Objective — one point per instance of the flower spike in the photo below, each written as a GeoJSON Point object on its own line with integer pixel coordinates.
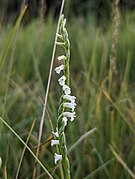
{"type": "Point", "coordinates": [71, 115]}
{"type": "Point", "coordinates": [67, 102]}
{"type": "Point", "coordinates": [62, 57]}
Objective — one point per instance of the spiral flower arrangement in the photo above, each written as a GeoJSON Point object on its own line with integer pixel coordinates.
{"type": "Point", "coordinates": [67, 102]}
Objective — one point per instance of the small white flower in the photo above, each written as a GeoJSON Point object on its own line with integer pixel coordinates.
{"type": "Point", "coordinates": [54, 142]}
{"type": "Point", "coordinates": [56, 134]}
{"type": "Point", "coordinates": [70, 98]}
{"type": "Point", "coordinates": [62, 80]}
{"type": "Point", "coordinates": [62, 57]}
{"type": "Point", "coordinates": [0, 162]}
{"type": "Point", "coordinates": [58, 35]}
{"type": "Point", "coordinates": [65, 121]}
{"type": "Point", "coordinates": [69, 105]}
{"type": "Point", "coordinates": [71, 115]}
{"type": "Point", "coordinates": [60, 43]}
{"type": "Point", "coordinates": [57, 157]}
{"type": "Point", "coordinates": [66, 89]}
{"type": "Point", "coordinates": [59, 69]}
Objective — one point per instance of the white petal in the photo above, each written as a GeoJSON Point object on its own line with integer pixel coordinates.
{"type": "Point", "coordinates": [62, 80]}
{"type": "Point", "coordinates": [60, 43]}
{"type": "Point", "coordinates": [70, 98]}
{"type": "Point", "coordinates": [71, 115]}
{"type": "Point", "coordinates": [65, 120]}
{"type": "Point", "coordinates": [66, 89]}
{"type": "Point", "coordinates": [62, 57]}
{"type": "Point", "coordinates": [69, 105]}
{"type": "Point", "coordinates": [56, 133]}
{"type": "Point", "coordinates": [59, 69]}
{"type": "Point", "coordinates": [54, 142]}
{"type": "Point", "coordinates": [57, 157]}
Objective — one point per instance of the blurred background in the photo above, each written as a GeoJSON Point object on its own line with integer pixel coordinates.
{"type": "Point", "coordinates": [102, 43]}
{"type": "Point", "coordinates": [99, 8]}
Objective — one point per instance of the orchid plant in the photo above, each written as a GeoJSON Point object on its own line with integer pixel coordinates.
{"type": "Point", "coordinates": [67, 102]}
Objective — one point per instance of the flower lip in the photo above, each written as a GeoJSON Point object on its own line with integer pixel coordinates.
{"type": "Point", "coordinates": [57, 157]}
{"type": "Point", "coordinates": [62, 57]}
{"type": "Point", "coordinates": [71, 115]}
{"type": "Point", "coordinates": [54, 142]}
{"type": "Point", "coordinates": [59, 69]}
{"type": "Point", "coordinates": [62, 80]}
{"type": "Point", "coordinates": [66, 89]}
{"type": "Point", "coordinates": [70, 98]}
{"type": "Point", "coordinates": [58, 35]}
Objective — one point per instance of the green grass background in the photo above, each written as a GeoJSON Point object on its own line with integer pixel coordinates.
{"type": "Point", "coordinates": [23, 80]}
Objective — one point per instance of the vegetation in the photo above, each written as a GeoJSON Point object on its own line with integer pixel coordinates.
{"type": "Point", "coordinates": [105, 152]}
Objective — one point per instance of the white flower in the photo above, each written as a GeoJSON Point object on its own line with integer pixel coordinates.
{"type": "Point", "coordinates": [62, 57]}
{"type": "Point", "coordinates": [58, 35]}
{"type": "Point", "coordinates": [69, 105]}
{"type": "Point", "coordinates": [62, 80]}
{"type": "Point", "coordinates": [60, 43]}
{"type": "Point", "coordinates": [56, 134]}
{"type": "Point", "coordinates": [54, 142]}
{"type": "Point", "coordinates": [59, 69]}
{"type": "Point", "coordinates": [66, 89]}
{"type": "Point", "coordinates": [57, 157]}
{"type": "Point", "coordinates": [71, 115]}
{"type": "Point", "coordinates": [65, 120]}
{"type": "Point", "coordinates": [70, 98]}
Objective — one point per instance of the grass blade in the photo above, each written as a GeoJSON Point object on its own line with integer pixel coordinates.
{"type": "Point", "coordinates": [11, 36]}
{"type": "Point", "coordinates": [120, 160]}
{"type": "Point", "coordinates": [28, 148]}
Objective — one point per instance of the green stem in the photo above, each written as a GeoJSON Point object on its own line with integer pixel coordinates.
{"type": "Point", "coordinates": [60, 122]}
{"type": "Point", "coordinates": [67, 71]}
